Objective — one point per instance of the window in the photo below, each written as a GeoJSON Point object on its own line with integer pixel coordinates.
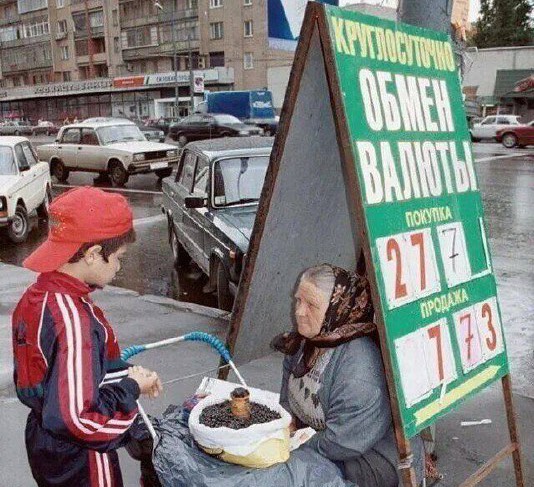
{"type": "Point", "coordinates": [36, 30]}
{"type": "Point", "coordinates": [62, 26]}
{"type": "Point", "coordinates": [22, 162]}
{"type": "Point", "coordinates": [64, 52]}
{"type": "Point", "coordinates": [248, 61]}
{"type": "Point", "coordinates": [141, 36]}
{"type": "Point", "coordinates": [488, 121]}
{"type": "Point", "coordinates": [115, 17]}
{"type": "Point", "coordinates": [188, 170]}
{"type": "Point", "coordinates": [116, 44]}
{"type": "Point", "coordinates": [216, 30]}
{"type": "Point", "coordinates": [60, 3]}
{"type": "Point", "coordinates": [89, 137]}
{"type": "Point", "coordinates": [25, 6]}
{"type": "Point", "coordinates": [248, 28]}
{"type": "Point", "coordinates": [71, 136]}
{"type": "Point", "coordinates": [29, 154]}
{"type": "Point", "coordinates": [216, 3]}
{"type": "Point", "coordinates": [247, 2]}
{"type": "Point", "coordinates": [200, 186]}
{"type": "Point", "coordinates": [66, 76]}
{"type": "Point", "coordinates": [216, 59]}
{"type": "Point", "coordinates": [503, 121]}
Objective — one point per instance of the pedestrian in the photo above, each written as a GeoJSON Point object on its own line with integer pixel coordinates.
{"type": "Point", "coordinates": [68, 369]}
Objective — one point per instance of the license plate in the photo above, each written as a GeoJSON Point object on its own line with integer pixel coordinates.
{"type": "Point", "coordinates": [158, 165]}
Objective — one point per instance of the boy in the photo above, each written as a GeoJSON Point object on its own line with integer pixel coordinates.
{"type": "Point", "coordinates": [67, 360]}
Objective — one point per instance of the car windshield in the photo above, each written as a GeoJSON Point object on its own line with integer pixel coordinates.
{"type": "Point", "coordinates": [7, 162]}
{"type": "Point", "coordinates": [239, 180]}
{"type": "Point", "coordinates": [226, 119]}
{"type": "Point", "coordinates": [119, 133]}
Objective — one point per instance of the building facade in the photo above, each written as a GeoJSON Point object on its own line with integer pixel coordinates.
{"type": "Point", "coordinates": [134, 57]}
{"type": "Point", "coordinates": [492, 75]}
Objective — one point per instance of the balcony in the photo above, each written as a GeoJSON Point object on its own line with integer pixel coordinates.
{"type": "Point", "coordinates": [132, 53]}
{"type": "Point", "coordinates": [10, 20]}
{"type": "Point", "coordinates": [95, 32]}
{"type": "Point", "coordinates": [98, 58]}
{"type": "Point", "coordinates": [25, 65]}
{"type": "Point", "coordinates": [31, 41]}
{"type": "Point", "coordinates": [79, 5]}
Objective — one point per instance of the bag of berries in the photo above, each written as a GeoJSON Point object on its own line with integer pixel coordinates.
{"type": "Point", "coordinates": [248, 428]}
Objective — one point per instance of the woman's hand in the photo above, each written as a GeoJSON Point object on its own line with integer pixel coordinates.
{"type": "Point", "coordinates": [148, 381]}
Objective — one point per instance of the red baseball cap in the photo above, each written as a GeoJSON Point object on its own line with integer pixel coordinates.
{"type": "Point", "coordinates": [78, 216]}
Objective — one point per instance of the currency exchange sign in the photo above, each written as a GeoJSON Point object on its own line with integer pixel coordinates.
{"type": "Point", "coordinates": [423, 212]}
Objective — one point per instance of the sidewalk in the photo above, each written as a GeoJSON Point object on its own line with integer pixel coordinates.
{"type": "Point", "coordinates": [141, 319]}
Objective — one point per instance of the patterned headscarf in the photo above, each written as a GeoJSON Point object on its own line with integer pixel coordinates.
{"type": "Point", "coordinates": [349, 316]}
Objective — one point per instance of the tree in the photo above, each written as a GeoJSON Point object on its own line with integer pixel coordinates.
{"type": "Point", "coordinates": [504, 23]}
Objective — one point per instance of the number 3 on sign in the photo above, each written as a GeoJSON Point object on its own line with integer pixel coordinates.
{"type": "Point", "coordinates": [408, 265]}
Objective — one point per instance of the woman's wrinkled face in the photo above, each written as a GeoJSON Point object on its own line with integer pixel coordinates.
{"type": "Point", "coordinates": [310, 309]}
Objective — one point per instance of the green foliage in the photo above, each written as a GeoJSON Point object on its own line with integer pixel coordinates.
{"type": "Point", "coordinates": [504, 23]}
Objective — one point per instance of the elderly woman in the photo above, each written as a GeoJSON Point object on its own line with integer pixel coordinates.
{"type": "Point", "coordinates": [334, 380]}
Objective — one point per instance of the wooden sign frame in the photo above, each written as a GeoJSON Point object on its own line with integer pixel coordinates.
{"type": "Point", "coordinates": [315, 21]}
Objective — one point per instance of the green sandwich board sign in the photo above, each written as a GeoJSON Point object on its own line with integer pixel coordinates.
{"type": "Point", "coordinates": [376, 106]}
{"type": "Point", "coordinates": [423, 212]}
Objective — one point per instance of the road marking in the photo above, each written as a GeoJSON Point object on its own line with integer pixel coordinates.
{"type": "Point", "coordinates": [513, 154]}
{"type": "Point", "coordinates": [117, 190]}
{"type": "Point", "coordinates": [147, 220]}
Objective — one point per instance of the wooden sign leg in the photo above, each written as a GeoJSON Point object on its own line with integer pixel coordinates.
{"type": "Point", "coordinates": [512, 428]}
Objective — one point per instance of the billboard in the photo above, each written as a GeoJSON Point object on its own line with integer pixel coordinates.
{"type": "Point", "coordinates": [284, 22]}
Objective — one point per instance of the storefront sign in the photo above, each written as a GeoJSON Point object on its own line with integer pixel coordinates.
{"type": "Point", "coordinates": [209, 75]}
{"type": "Point", "coordinates": [128, 82]}
{"type": "Point", "coordinates": [74, 86]}
{"type": "Point", "coordinates": [423, 212]}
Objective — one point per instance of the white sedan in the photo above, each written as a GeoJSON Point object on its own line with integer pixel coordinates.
{"type": "Point", "coordinates": [25, 187]}
{"type": "Point", "coordinates": [487, 128]}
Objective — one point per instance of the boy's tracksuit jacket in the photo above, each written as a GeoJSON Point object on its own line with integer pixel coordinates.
{"type": "Point", "coordinates": [69, 373]}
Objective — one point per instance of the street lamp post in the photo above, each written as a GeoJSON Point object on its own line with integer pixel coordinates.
{"type": "Point", "coordinates": [191, 77]}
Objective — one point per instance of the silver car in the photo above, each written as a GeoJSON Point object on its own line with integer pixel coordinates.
{"type": "Point", "coordinates": [16, 128]}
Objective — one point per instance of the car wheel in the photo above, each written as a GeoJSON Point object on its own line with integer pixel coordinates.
{"type": "Point", "coordinates": [509, 140]}
{"type": "Point", "coordinates": [225, 300]}
{"type": "Point", "coordinates": [42, 209]}
{"type": "Point", "coordinates": [59, 171]}
{"type": "Point", "coordinates": [182, 140]}
{"type": "Point", "coordinates": [164, 173]}
{"type": "Point", "coordinates": [179, 254]}
{"type": "Point", "coordinates": [19, 228]}
{"type": "Point", "coordinates": [118, 175]}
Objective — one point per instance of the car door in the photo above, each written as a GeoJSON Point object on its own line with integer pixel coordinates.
{"type": "Point", "coordinates": [68, 147]}
{"type": "Point", "coordinates": [486, 128]}
{"type": "Point", "coordinates": [196, 128]}
{"type": "Point", "coordinates": [28, 188]}
{"type": "Point", "coordinates": [185, 226]}
{"type": "Point", "coordinates": [500, 123]}
{"type": "Point", "coordinates": [198, 223]}
{"type": "Point", "coordinates": [39, 174]}
{"type": "Point", "coordinates": [89, 156]}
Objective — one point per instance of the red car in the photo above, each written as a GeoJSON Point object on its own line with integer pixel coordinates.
{"type": "Point", "coordinates": [516, 135]}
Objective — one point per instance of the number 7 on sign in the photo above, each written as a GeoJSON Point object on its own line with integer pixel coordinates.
{"type": "Point", "coordinates": [454, 253]}
{"type": "Point", "coordinates": [408, 265]}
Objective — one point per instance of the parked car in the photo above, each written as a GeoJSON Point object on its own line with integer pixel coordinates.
{"type": "Point", "coordinates": [160, 123]}
{"type": "Point", "coordinates": [152, 133]}
{"type": "Point", "coordinates": [24, 187]}
{"type": "Point", "coordinates": [210, 126]}
{"type": "Point", "coordinates": [487, 129]}
{"type": "Point", "coordinates": [16, 128]}
{"type": "Point", "coordinates": [45, 128]}
{"type": "Point", "coordinates": [517, 135]}
{"type": "Point", "coordinates": [109, 146]}
{"type": "Point", "coordinates": [211, 205]}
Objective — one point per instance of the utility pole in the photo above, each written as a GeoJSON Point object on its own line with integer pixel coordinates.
{"type": "Point", "coordinates": [191, 76]}
{"type": "Point", "coordinates": [176, 88]}
{"type": "Point", "coordinates": [435, 15]}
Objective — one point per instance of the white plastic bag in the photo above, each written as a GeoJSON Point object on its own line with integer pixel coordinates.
{"type": "Point", "coordinates": [258, 446]}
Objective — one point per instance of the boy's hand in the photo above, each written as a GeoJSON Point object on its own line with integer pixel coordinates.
{"type": "Point", "coordinates": [149, 382]}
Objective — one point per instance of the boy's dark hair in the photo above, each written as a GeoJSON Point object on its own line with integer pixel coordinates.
{"type": "Point", "coordinates": [109, 246]}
